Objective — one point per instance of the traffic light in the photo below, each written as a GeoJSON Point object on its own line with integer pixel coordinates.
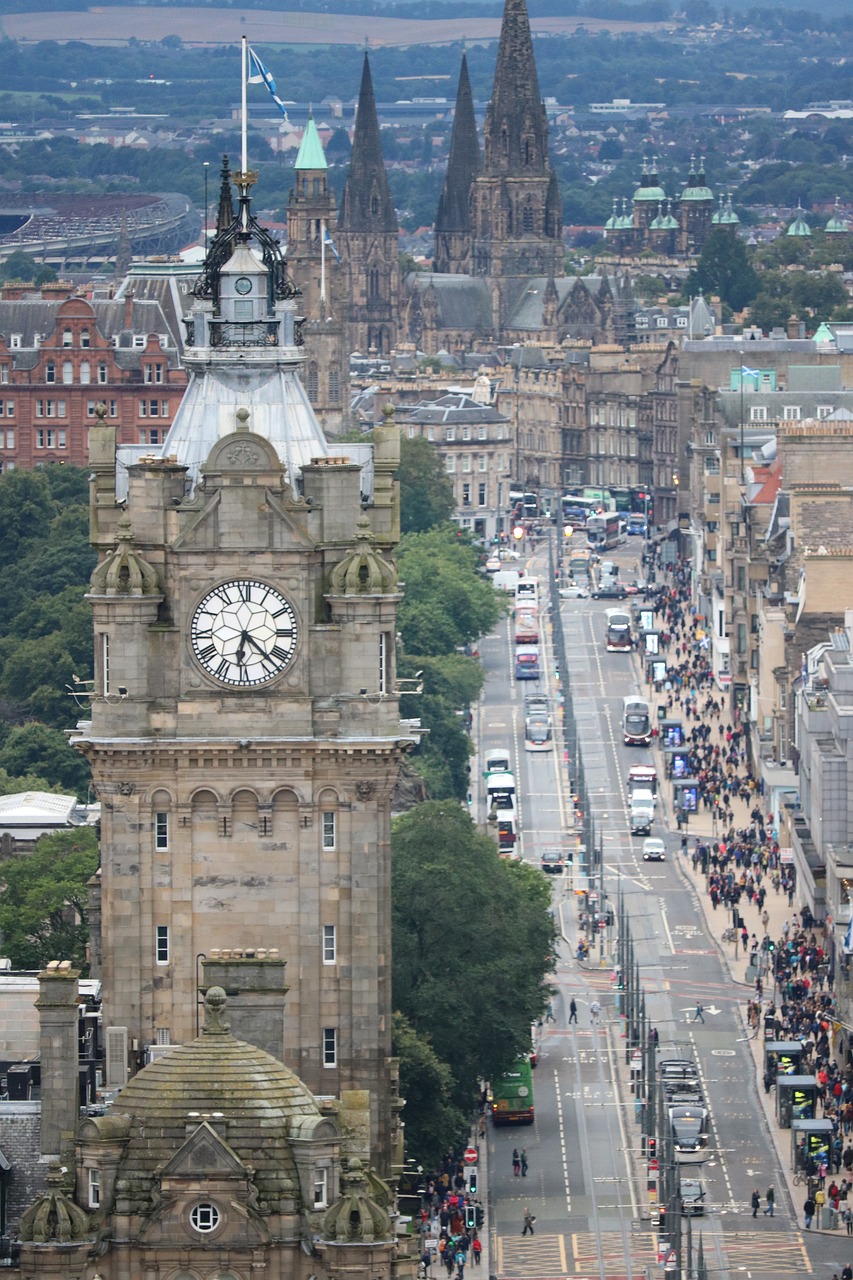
{"type": "Point", "coordinates": [472, 1182]}
{"type": "Point", "coordinates": [470, 1216]}
{"type": "Point", "coordinates": [480, 1215]}
{"type": "Point", "coordinates": [771, 945]}
{"type": "Point", "coordinates": [653, 1148]}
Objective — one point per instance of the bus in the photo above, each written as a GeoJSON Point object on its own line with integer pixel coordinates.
{"type": "Point", "coordinates": [636, 721]}
{"type": "Point", "coordinates": [604, 531]}
{"type": "Point", "coordinates": [527, 625]}
{"type": "Point", "coordinates": [580, 565]}
{"type": "Point", "coordinates": [527, 662]}
{"type": "Point", "coordinates": [511, 1097]}
{"type": "Point", "coordinates": [617, 635]}
{"type": "Point", "coordinates": [636, 524]}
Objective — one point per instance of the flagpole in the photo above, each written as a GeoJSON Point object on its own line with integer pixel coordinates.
{"type": "Point", "coordinates": [323, 261]}
{"type": "Point", "coordinates": [244, 111]}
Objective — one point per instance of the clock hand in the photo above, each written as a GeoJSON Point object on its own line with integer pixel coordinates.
{"type": "Point", "coordinates": [240, 655]}
{"type": "Point", "coordinates": [252, 641]}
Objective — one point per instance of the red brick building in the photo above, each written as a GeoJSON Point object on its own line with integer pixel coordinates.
{"type": "Point", "coordinates": [60, 358]}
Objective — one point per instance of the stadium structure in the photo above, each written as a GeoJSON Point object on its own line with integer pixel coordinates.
{"type": "Point", "coordinates": [65, 231]}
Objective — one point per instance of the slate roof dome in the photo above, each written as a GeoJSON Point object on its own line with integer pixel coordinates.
{"type": "Point", "coordinates": [257, 1100]}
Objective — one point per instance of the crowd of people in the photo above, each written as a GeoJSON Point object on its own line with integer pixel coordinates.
{"type": "Point", "coordinates": [452, 1216]}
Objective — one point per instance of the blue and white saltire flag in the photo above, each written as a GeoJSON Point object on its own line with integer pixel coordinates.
{"type": "Point", "coordinates": [848, 938]}
{"type": "Point", "coordinates": [747, 373]}
{"type": "Point", "coordinates": [258, 74]}
{"type": "Point", "coordinates": [331, 244]}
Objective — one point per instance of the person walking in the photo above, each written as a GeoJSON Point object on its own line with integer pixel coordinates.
{"type": "Point", "coordinates": [847, 1219]}
{"type": "Point", "coordinates": [524, 1162]}
{"type": "Point", "coordinates": [771, 1202]}
{"type": "Point", "coordinates": [756, 1201]}
{"type": "Point", "coordinates": [699, 1015]}
{"type": "Point", "coordinates": [594, 1011]}
{"type": "Point", "coordinates": [516, 1162]}
{"type": "Point", "coordinates": [808, 1212]}
{"type": "Point", "coordinates": [529, 1219]}
{"type": "Point", "coordinates": [476, 1249]}
{"type": "Point", "coordinates": [573, 1010]}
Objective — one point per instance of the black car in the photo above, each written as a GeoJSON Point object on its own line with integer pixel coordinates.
{"type": "Point", "coordinates": [553, 861]}
{"type": "Point", "coordinates": [609, 591]}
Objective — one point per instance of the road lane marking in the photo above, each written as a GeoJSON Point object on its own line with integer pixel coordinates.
{"type": "Point", "coordinates": [564, 1153]}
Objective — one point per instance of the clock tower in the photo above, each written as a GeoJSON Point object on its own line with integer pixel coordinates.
{"type": "Point", "coordinates": [244, 734]}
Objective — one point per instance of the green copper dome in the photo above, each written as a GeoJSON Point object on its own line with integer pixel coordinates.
{"type": "Point", "coordinates": [649, 188]}
{"type": "Point", "coordinates": [612, 221]}
{"type": "Point", "coordinates": [697, 189]}
{"type": "Point", "coordinates": [799, 227]}
{"type": "Point", "coordinates": [837, 225]}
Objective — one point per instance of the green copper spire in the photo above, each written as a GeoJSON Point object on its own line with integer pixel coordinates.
{"type": "Point", "coordinates": [310, 154]}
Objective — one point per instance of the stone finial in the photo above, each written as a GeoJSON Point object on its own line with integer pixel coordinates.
{"type": "Point", "coordinates": [242, 415]}
{"type": "Point", "coordinates": [363, 571]}
{"type": "Point", "coordinates": [124, 572]}
{"type": "Point", "coordinates": [215, 1022]}
{"type": "Point", "coordinates": [53, 1217]}
{"type": "Point", "coordinates": [355, 1216]}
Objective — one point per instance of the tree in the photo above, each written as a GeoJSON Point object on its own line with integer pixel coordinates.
{"type": "Point", "coordinates": [447, 602]}
{"type": "Point", "coordinates": [37, 748]}
{"type": "Point", "coordinates": [433, 1122]}
{"type": "Point", "coordinates": [426, 494]}
{"type": "Point", "coordinates": [460, 911]}
{"type": "Point", "coordinates": [724, 267]}
{"type": "Point", "coordinates": [43, 900]}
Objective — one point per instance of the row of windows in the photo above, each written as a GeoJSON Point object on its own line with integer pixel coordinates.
{"type": "Point", "coordinates": [501, 431]}
{"type": "Point", "coordinates": [84, 373]}
{"type": "Point", "coordinates": [328, 818]}
{"type": "Point", "coordinates": [163, 950]}
{"type": "Point", "coordinates": [481, 495]}
{"type": "Point", "coordinates": [481, 459]}
{"type": "Point", "coordinates": [48, 438]}
{"type": "Point", "coordinates": [140, 341]}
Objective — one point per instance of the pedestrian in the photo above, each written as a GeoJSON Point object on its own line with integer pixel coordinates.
{"type": "Point", "coordinates": [529, 1219]}
{"type": "Point", "coordinates": [516, 1162]}
{"type": "Point", "coordinates": [524, 1162]}
{"type": "Point", "coordinates": [573, 1010]}
{"type": "Point", "coordinates": [847, 1273]}
{"type": "Point", "coordinates": [476, 1249]}
{"type": "Point", "coordinates": [847, 1219]}
{"type": "Point", "coordinates": [594, 1011]}
{"type": "Point", "coordinates": [756, 1201]}
{"type": "Point", "coordinates": [699, 1015]}
{"type": "Point", "coordinates": [771, 1202]}
{"type": "Point", "coordinates": [549, 1016]}
{"type": "Point", "coordinates": [808, 1212]}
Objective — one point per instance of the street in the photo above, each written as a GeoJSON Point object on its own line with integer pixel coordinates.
{"type": "Point", "coordinates": [586, 1181]}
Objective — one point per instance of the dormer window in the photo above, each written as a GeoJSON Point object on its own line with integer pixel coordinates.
{"type": "Point", "coordinates": [321, 1188]}
{"type": "Point", "coordinates": [67, 338]}
{"type": "Point", "coordinates": [94, 1188]}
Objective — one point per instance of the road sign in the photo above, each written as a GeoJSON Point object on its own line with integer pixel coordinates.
{"type": "Point", "coordinates": [470, 1155]}
{"type": "Point", "coordinates": [636, 1060]}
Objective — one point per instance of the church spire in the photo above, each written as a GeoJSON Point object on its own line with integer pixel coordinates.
{"type": "Point", "coordinates": [516, 130]}
{"type": "Point", "coordinates": [453, 219]}
{"type": "Point", "coordinates": [367, 203]}
{"type": "Point", "coordinates": [225, 212]}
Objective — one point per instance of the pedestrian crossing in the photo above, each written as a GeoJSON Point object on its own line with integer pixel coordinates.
{"type": "Point", "coordinates": [589, 1255]}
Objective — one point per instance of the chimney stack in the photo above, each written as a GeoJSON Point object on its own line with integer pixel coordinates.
{"type": "Point", "coordinates": [254, 983]}
{"type": "Point", "coordinates": [60, 1081]}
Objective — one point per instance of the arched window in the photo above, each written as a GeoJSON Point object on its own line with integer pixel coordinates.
{"type": "Point", "coordinates": [504, 141]}
{"type": "Point", "coordinates": [67, 372]}
{"type": "Point", "coordinates": [373, 283]}
{"type": "Point", "coordinates": [529, 151]}
{"type": "Point", "coordinates": [84, 338]}
{"type": "Point", "coordinates": [50, 372]}
{"type": "Point", "coordinates": [311, 381]}
{"type": "Point", "coordinates": [85, 373]}
{"type": "Point", "coordinates": [67, 338]}
{"type": "Point", "coordinates": [527, 219]}
{"type": "Point", "coordinates": [374, 205]}
{"type": "Point", "coordinates": [334, 386]}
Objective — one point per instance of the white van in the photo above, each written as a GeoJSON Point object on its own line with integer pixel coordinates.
{"type": "Point", "coordinates": [500, 794]}
{"type": "Point", "coordinates": [641, 813]}
{"type": "Point", "coordinates": [496, 760]}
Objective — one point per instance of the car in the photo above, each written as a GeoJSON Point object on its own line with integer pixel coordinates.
{"type": "Point", "coordinates": [553, 861]}
{"type": "Point", "coordinates": [692, 1194]}
{"type": "Point", "coordinates": [609, 591]}
{"type": "Point", "coordinates": [654, 850]}
{"type": "Point", "coordinates": [493, 564]}
{"type": "Point", "coordinates": [574, 592]}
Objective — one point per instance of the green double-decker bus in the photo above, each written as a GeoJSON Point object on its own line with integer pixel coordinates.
{"type": "Point", "coordinates": [511, 1096]}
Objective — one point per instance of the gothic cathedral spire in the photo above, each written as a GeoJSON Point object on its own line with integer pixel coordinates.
{"type": "Point", "coordinates": [516, 210]}
{"type": "Point", "coordinates": [453, 219]}
{"type": "Point", "coordinates": [368, 234]}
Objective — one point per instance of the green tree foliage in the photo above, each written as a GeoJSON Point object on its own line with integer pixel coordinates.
{"type": "Point", "coordinates": [447, 602]}
{"type": "Point", "coordinates": [426, 494]}
{"type": "Point", "coordinates": [451, 684]}
{"type": "Point", "coordinates": [461, 910]}
{"type": "Point", "coordinates": [21, 266]}
{"type": "Point", "coordinates": [724, 267]}
{"type": "Point", "coordinates": [39, 749]}
{"type": "Point", "coordinates": [43, 900]}
{"type": "Point", "coordinates": [433, 1122]}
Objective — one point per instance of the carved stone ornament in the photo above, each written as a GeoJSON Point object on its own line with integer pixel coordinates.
{"type": "Point", "coordinates": [355, 1216]}
{"type": "Point", "coordinates": [363, 570]}
{"type": "Point", "coordinates": [364, 790]}
{"type": "Point", "coordinates": [53, 1217]}
{"type": "Point", "coordinates": [124, 572]}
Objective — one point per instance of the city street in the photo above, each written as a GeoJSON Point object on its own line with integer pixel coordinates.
{"type": "Point", "coordinates": [586, 1181]}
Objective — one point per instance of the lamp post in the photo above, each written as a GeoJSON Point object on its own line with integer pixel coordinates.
{"type": "Point", "coordinates": [206, 167]}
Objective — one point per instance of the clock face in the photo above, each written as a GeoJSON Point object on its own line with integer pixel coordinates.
{"type": "Point", "coordinates": [243, 284]}
{"type": "Point", "coordinates": [243, 633]}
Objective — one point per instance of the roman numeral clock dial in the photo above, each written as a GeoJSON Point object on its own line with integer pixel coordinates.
{"type": "Point", "coordinates": [243, 633]}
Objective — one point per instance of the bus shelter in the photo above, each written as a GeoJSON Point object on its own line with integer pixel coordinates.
{"type": "Point", "coordinates": [671, 733]}
{"type": "Point", "coordinates": [685, 793]}
{"type": "Point", "coordinates": [782, 1057]}
{"type": "Point", "coordinates": [796, 1099]}
{"type": "Point", "coordinates": [677, 762]}
{"type": "Point", "coordinates": [811, 1141]}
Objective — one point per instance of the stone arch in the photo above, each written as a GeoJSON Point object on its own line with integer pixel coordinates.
{"type": "Point", "coordinates": [204, 809]}
{"type": "Point", "coordinates": [285, 815]}
{"type": "Point", "coordinates": [162, 798]}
